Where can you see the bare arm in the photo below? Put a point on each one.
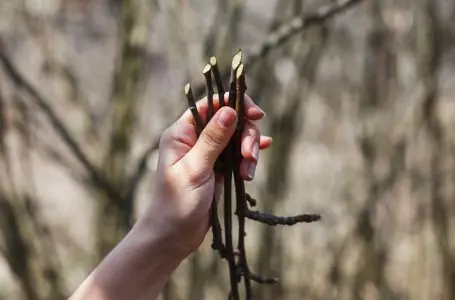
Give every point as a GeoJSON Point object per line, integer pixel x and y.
{"type": "Point", "coordinates": [177, 219]}
{"type": "Point", "coordinates": [137, 268]}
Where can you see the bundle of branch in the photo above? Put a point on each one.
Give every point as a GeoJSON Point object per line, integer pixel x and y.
{"type": "Point", "coordinates": [229, 165]}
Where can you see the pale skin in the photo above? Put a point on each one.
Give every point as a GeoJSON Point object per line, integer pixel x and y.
{"type": "Point", "coordinates": [177, 219]}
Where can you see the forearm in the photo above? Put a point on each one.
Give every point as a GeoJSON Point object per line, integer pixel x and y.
{"type": "Point", "coordinates": [137, 268]}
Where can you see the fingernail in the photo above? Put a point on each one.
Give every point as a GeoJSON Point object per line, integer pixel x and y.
{"type": "Point", "coordinates": [262, 111]}
{"type": "Point", "coordinates": [251, 170]}
{"type": "Point", "coordinates": [226, 118]}
{"type": "Point", "coordinates": [255, 151]}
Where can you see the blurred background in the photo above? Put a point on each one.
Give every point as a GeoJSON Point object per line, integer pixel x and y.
{"type": "Point", "coordinates": [360, 102]}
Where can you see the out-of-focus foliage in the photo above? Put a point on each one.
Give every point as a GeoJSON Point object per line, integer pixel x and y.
{"type": "Point", "coordinates": [361, 108]}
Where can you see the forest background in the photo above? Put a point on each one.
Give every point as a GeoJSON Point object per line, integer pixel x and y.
{"type": "Point", "coordinates": [359, 101]}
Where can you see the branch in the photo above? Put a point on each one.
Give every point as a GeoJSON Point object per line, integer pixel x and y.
{"type": "Point", "coordinates": [296, 25]}
{"type": "Point", "coordinates": [273, 220]}
{"type": "Point", "coordinates": [262, 279]}
{"type": "Point", "coordinates": [58, 125]}
{"type": "Point", "coordinates": [229, 153]}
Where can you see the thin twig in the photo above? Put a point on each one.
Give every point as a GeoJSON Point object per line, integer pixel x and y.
{"type": "Point", "coordinates": [236, 61]}
{"type": "Point", "coordinates": [192, 105]}
{"type": "Point", "coordinates": [262, 279]}
{"type": "Point", "coordinates": [217, 242]}
{"type": "Point", "coordinates": [252, 202]}
{"type": "Point", "coordinates": [229, 160]}
{"type": "Point", "coordinates": [239, 184]}
{"type": "Point", "coordinates": [218, 81]}
{"type": "Point", "coordinates": [209, 86]}
{"type": "Point", "coordinates": [273, 220]}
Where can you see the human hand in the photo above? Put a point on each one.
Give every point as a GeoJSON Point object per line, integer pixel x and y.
{"type": "Point", "coordinates": [186, 181]}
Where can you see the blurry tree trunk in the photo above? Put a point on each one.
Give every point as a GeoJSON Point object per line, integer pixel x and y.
{"type": "Point", "coordinates": [114, 221]}
{"type": "Point", "coordinates": [265, 83]}
{"type": "Point", "coordinates": [377, 148]}
{"type": "Point", "coordinates": [170, 291]}
{"type": "Point", "coordinates": [428, 58]}
{"type": "Point", "coordinates": [17, 249]}
{"type": "Point", "coordinates": [28, 245]}
{"type": "Point", "coordinates": [284, 127]}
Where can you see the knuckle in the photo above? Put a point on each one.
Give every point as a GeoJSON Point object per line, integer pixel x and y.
{"type": "Point", "coordinates": [251, 130]}
{"type": "Point", "coordinates": [212, 138]}
{"type": "Point", "coordinates": [196, 175]}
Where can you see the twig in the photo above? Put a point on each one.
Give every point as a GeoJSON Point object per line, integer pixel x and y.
{"type": "Point", "coordinates": [208, 83]}
{"type": "Point", "coordinates": [218, 81]}
{"type": "Point", "coordinates": [273, 220]}
{"type": "Point", "coordinates": [239, 184]}
{"type": "Point", "coordinates": [217, 242]}
{"type": "Point", "coordinates": [262, 279]}
{"type": "Point", "coordinates": [252, 202]}
{"type": "Point", "coordinates": [236, 61]}
{"type": "Point", "coordinates": [219, 164]}
{"type": "Point", "coordinates": [229, 160]}
{"type": "Point", "coordinates": [193, 109]}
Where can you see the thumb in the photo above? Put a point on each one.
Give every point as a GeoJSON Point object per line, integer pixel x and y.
{"type": "Point", "coordinates": [212, 141]}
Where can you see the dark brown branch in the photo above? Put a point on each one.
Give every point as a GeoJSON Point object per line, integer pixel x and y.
{"type": "Point", "coordinates": [273, 220]}
{"type": "Point", "coordinates": [252, 202]}
{"type": "Point", "coordinates": [209, 86]}
{"type": "Point", "coordinates": [217, 242]}
{"type": "Point", "coordinates": [192, 105]}
{"type": "Point", "coordinates": [239, 184]}
{"type": "Point", "coordinates": [219, 164]}
{"type": "Point", "coordinates": [240, 103]}
{"type": "Point", "coordinates": [228, 223]}
{"type": "Point", "coordinates": [217, 232]}
{"type": "Point", "coordinates": [236, 61]}
{"type": "Point", "coordinates": [59, 126]}
{"type": "Point", "coordinates": [218, 81]}
{"type": "Point", "coordinates": [262, 279]}
{"type": "Point", "coordinates": [229, 159]}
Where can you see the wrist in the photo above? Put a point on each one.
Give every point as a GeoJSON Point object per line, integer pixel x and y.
{"type": "Point", "coordinates": [137, 268]}
{"type": "Point", "coordinates": [157, 232]}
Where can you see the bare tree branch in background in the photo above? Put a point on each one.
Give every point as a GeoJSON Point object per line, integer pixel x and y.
{"type": "Point", "coordinates": [285, 127]}
{"type": "Point", "coordinates": [223, 35]}
{"type": "Point", "coordinates": [297, 25]}
{"type": "Point", "coordinates": [58, 125]}
{"type": "Point", "coordinates": [115, 221]}
{"type": "Point", "coordinates": [29, 247]}
{"type": "Point", "coordinates": [429, 52]}
{"type": "Point", "coordinates": [376, 145]}
{"type": "Point", "coordinates": [17, 250]}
